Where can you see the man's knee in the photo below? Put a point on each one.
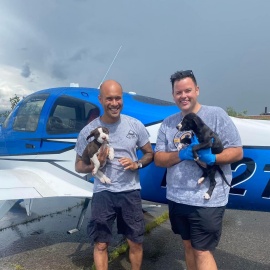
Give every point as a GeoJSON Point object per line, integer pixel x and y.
{"type": "Point", "coordinates": [133, 246]}
{"type": "Point", "coordinates": [187, 245]}
{"type": "Point", "coordinates": [101, 247]}
{"type": "Point", "coordinates": [201, 253]}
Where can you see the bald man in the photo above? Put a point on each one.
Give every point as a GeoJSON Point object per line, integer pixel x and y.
{"type": "Point", "coordinates": [121, 199]}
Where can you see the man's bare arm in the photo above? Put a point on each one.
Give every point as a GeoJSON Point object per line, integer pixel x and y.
{"type": "Point", "coordinates": [82, 167]}
{"type": "Point", "coordinates": [146, 159]}
{"type": "Point", "coordinates": [229, 155]}
{"type": "Point", "coordinates": [148, 154]}
{"type": "Point", "coordinates": [166, 159]}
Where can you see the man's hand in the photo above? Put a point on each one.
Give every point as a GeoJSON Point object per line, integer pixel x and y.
{"type": "Point", "coordinates": [206, 156]}
{"type": "Point", "coordinates": [128, 164]}
{"type": "Point", "coordinates": [194, 139]}
{"type": "Point", "coordinates": [81, 167]}
{"type": "Point", "coordinates": [186, 153]}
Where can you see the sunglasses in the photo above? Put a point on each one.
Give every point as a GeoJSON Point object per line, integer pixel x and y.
{"type": "Point", "coordinates": [179, 75]}
{"type": "Point", "coordinates": [186, 73]}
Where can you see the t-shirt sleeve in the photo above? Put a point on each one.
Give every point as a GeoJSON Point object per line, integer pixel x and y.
{"type": "Point", "coordinates": [81, 142]}
{"type": "Point", "coordinates": [161, 139]}
{"type": "Point", "coordinates": [227, 131]}
{"type": "Point", "coordinates": [143, 135]}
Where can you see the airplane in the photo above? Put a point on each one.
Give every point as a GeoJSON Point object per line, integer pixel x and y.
{"type": "Point", "coordinates": [37, 154]}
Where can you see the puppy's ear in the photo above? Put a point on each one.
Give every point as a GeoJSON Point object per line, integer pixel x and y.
{"type": "Point", "coordinates": [92, 134]}
{"type": "Point", "coordinates": [105, 130]}
{"type": "Point", "coordinates": [198, 121]}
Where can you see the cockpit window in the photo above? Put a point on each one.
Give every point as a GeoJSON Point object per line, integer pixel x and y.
{"type": "Point", "coordinates": [29, 112]}
{"type": "Point", "coordinates": [70, 115]}
{"type": "Point", "coordinates": [7, 120]}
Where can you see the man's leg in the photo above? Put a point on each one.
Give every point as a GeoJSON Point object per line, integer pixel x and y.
{"type": "Point", "coordinates": [189, 255]}
{"type": "Point", "coordinates": [135, 254]}
{"type": "Point", "coordinates": [205, 260]}
{"type": "Point", "coordinates": [99, 227]}
{"type": "Point", "coordinates": [206, 228]}
{"type": "Point", "coordinates": [130, 223]}
{"type": "Point", "coordinates": [101, 256]}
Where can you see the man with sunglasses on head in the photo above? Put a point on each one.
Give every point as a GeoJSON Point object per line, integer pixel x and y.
{"type": "Point", "coordinates": [198, 221]}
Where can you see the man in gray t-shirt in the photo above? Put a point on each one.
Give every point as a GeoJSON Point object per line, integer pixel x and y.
{"type": "Point", "coordinates": [197, 220]}
{"type": "Point", "coordinates": [121, 198]}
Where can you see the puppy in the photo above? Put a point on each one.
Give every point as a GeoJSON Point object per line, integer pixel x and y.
{"type": "Point", "coordinates": [91, 151]}
{"type": "Point", "coordinates": [207, 139]}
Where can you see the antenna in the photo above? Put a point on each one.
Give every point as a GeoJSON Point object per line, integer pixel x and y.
{"type": "Point", "coordinates": [110, 66]}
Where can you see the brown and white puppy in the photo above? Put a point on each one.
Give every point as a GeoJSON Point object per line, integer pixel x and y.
{"type": "Point", "coordinates": [91, 151]}
{"type": "Point", "coordinates": [207, 139]}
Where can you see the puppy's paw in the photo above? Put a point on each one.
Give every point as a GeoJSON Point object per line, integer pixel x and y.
{"type": "Point", "coordinates": [102, 180]}
{"type": "Point", "coordinates": [206, 196]}
{"type": "Point", "coordinates": [111, 154]}
{"type": "Point", "coordinates": [200, 180]}
{"type": "Point", "coordinates": [94, 171]}
{"type": "Point", "coordinates": [105, 179]}
{"type": "Point", "coordinates": [179, 126]}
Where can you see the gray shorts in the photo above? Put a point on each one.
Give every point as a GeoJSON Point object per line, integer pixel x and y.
{"type": "Point", "coordinates": [201, 225]}
{"type": "Point", "coordinates": [126, 207]}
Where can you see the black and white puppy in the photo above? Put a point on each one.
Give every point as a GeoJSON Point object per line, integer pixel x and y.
{"type": "Point", "coordinates": [207, 139]}
{"type": "Point", "coordinates": [91, 151]}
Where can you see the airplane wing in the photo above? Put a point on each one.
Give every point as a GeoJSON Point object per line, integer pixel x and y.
{"type": "Point", "coordinates": [253, 132]}
{"type": "Point", "coordinates": [28, 183]}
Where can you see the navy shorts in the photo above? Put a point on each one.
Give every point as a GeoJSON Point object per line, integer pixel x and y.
{"type": "Point", "coordinates": [201, 225]}
{"type": "Point", "coordinates": [126, 207]}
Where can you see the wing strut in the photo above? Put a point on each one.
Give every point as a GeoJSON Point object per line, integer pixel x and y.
{"type": "Point", "coordinates": [28, 204]}
{"type": "Point", "coordinates": [5, 206]}
{"type": "Point", "coordinates": [81, 217]}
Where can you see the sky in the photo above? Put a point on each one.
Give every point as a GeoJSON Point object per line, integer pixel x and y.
{"type": "Point", "coordinates": [53, 43]}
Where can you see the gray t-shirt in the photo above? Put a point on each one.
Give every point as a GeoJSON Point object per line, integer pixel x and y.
{"type": "Point", "coordinates": [126, 136]}
{"type": "Point", "coordinates": [182, 178]}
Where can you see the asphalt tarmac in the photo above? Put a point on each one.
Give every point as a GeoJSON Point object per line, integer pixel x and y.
{"type": "Point", "coordinates": [41, 241]}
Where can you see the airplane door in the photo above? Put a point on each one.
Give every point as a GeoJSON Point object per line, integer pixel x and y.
{"type": "Point", "coordinates": [65, 118]}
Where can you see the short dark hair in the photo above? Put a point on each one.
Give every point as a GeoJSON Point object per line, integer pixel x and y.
{"type": "Point", "coordinates": [179, 75]}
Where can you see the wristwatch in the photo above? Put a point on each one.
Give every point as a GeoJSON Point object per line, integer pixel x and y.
{"type": "Point", "coordinates": [139, 164]}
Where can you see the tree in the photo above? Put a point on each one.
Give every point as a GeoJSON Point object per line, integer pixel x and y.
{"type": "Point", "coordinates": [231, 112]}
{"type": "Point", "coordinates": [13, 102]}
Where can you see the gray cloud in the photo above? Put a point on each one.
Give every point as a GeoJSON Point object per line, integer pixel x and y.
{"type": "Point", "coordinates": [59, 71]}
{"type": "Point", "coordinates": [79, 55]}
{"type": "Point", "coordinates": [226, 44]}
{"type": "Point", "coordinates": [26, 72]}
